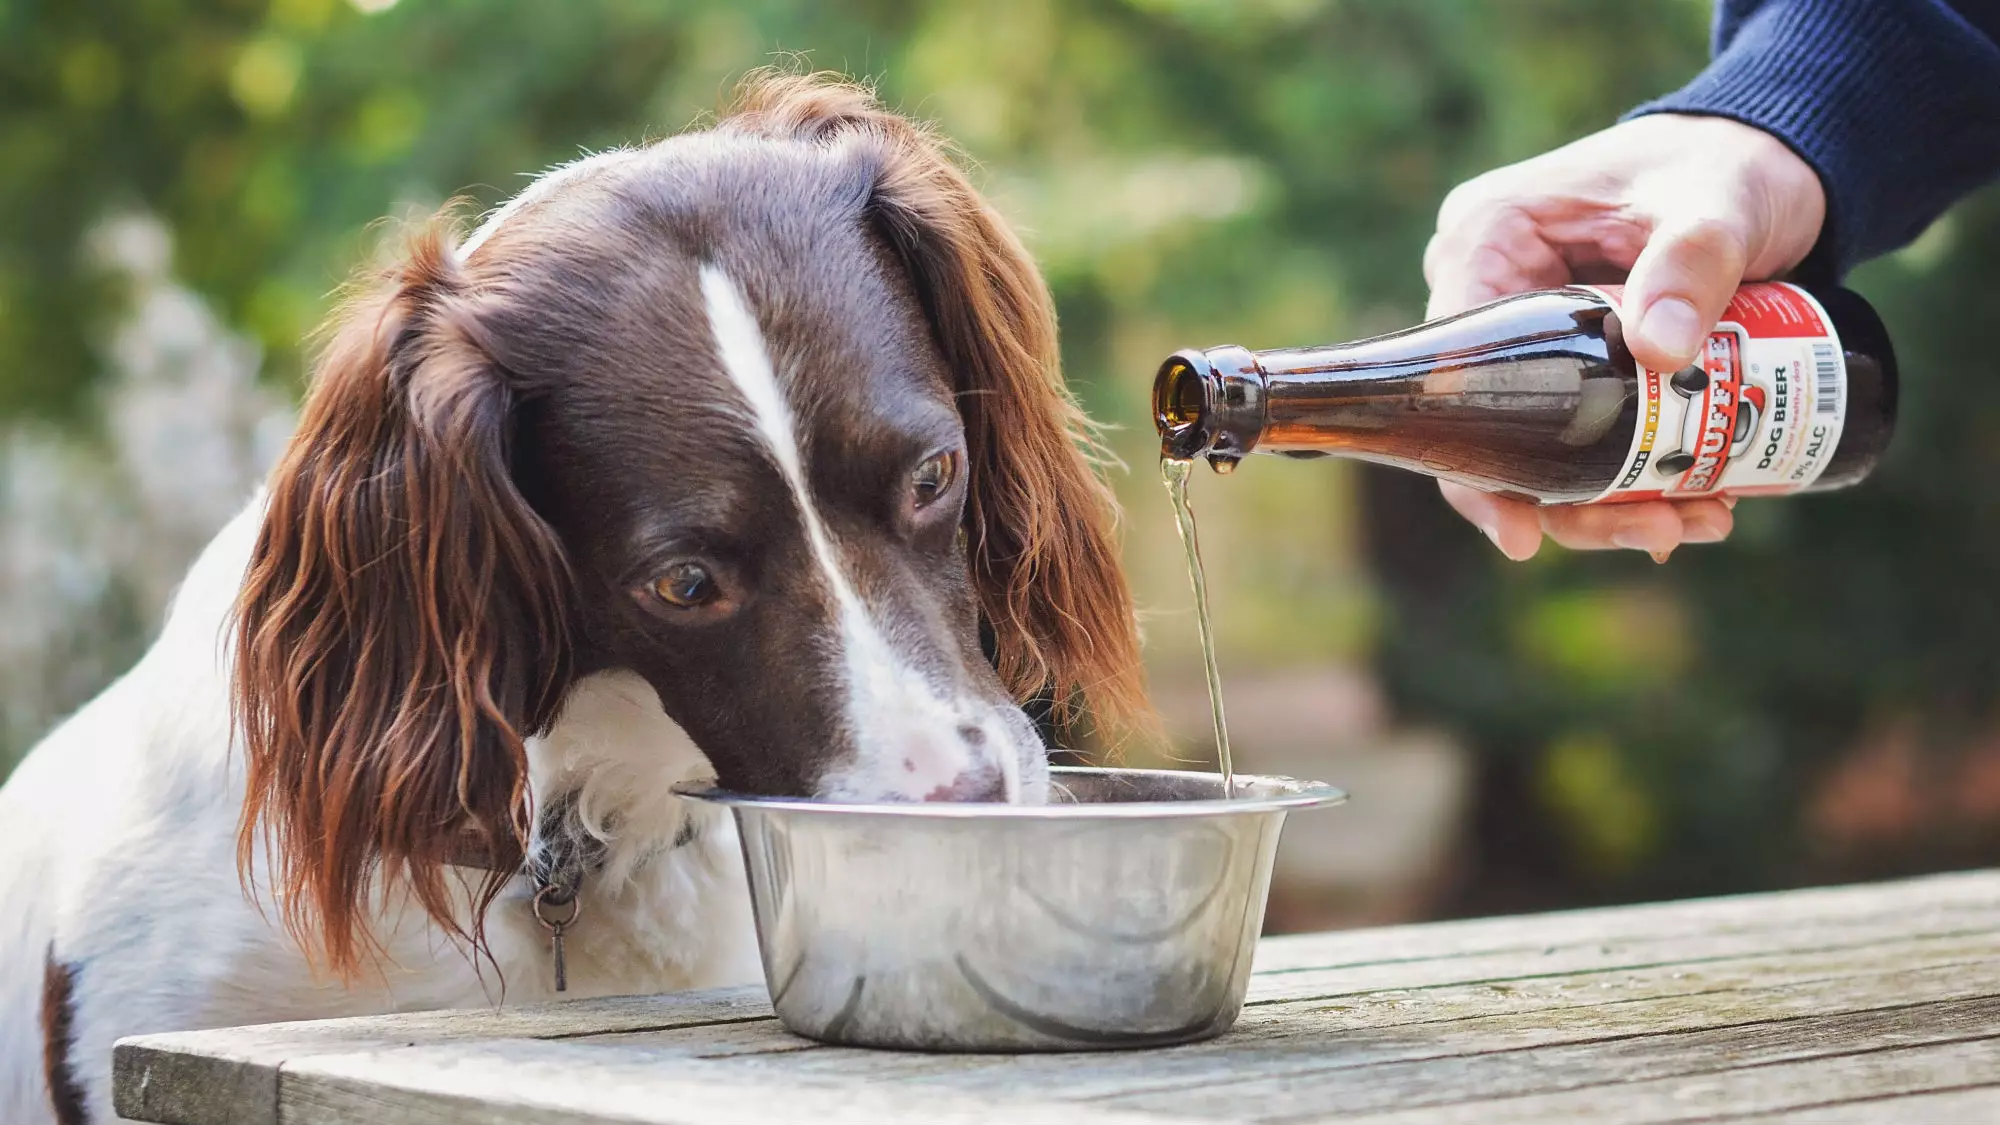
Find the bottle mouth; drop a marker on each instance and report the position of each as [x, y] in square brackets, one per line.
[1183, 396]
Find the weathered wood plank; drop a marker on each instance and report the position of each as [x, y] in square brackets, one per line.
[1618, 952]
[1782, 915]
[229, 1076]
[1332, 1076]
[1383, 1009]
[1544, 992]
[1885, 989]
[1979, 1105]
[1612, 975]
[1735, 1093]
[1308, 1093]
[1392, 1025]
[517, 1082]
[714, 1041]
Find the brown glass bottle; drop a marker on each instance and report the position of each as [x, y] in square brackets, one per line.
[1534, 395]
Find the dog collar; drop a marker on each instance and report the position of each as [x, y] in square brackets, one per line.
[556, 870]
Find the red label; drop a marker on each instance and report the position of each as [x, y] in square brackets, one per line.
[1774, 312]
[1717, 412]
[1765, 311]
[1759, 412]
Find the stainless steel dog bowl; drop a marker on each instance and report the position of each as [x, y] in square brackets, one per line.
[1122, 914]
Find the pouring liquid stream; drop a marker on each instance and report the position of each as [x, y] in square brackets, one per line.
[1175, 473]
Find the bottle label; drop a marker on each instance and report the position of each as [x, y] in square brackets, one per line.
[1757, 414]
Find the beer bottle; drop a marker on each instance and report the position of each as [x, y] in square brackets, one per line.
[1537, 396]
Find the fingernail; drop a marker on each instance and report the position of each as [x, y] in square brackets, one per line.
[1660, 556]
[1493, 535]
[1630, 541]
[1702, 529]
[1728, 501]
[1672, 326]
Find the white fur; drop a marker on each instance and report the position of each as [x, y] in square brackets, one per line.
[118, 834]
[906, 730]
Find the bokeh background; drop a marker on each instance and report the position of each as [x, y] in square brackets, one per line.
[183, 183]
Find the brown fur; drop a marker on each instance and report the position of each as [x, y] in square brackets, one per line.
[403, 623]
[58, 1035]
[1041, 521]
[408, 618]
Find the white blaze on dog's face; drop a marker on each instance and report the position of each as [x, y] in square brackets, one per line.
[911, 735]
[741, 427]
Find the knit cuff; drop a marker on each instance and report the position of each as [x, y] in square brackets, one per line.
[1895, 103]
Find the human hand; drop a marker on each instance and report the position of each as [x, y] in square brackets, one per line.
[1682, 209]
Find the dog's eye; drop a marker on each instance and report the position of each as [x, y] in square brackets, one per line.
[685, 584]
[933, 478]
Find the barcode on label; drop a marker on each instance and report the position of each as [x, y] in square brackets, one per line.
[1826, 380]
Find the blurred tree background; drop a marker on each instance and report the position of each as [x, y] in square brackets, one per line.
[184, 182]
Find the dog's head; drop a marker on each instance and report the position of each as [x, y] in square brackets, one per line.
[769, 415]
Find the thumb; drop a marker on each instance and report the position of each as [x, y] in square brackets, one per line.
[1678, 289]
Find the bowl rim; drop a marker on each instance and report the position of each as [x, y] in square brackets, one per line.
[1293, 794]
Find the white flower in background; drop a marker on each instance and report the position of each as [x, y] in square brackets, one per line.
[97, 528]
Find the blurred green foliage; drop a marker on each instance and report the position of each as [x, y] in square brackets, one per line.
[1188, 172]
[269, 132]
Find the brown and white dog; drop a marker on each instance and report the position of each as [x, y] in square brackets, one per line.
[718, 455]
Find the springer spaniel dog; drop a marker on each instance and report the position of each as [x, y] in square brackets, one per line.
[744, 454]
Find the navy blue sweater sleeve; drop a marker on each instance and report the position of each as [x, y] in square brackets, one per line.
[1895, 103]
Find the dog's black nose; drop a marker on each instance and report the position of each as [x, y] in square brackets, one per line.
[980, 783]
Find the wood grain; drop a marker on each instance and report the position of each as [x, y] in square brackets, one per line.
[1304, 1094]
[1831, 1006]
[1329, 1046]
[1979, 1104]
[1774, 914]
[567, 1083]
[229, 1076]
[1502, 1014]
[1813, 1083]
[1619, 952]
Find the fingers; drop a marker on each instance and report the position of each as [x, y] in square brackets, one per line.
[1510, 524]
[1486, 249]
[1455, 286]
[1706, 521]
[1655, 527]
[1678, 289]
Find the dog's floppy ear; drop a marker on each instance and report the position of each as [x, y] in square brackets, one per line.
[403, 624]
[1040, 520]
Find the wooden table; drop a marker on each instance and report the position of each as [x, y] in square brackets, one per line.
[1857, 1004]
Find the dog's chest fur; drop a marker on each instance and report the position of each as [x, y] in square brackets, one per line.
[133, 821]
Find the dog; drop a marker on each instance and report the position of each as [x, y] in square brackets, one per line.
[741, 455]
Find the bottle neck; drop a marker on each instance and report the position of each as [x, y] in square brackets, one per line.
[1534, 394]
[1226, 402]
[1209, 403]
